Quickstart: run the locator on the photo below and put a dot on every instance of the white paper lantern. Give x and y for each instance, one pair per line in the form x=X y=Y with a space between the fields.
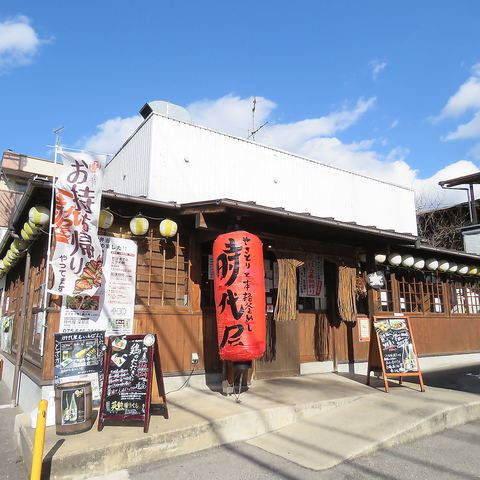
x=432 y=264
x=8 y=261
x=39 y=215
x=452 y=267
x=168 y=228
x=443 y=265
x=419 y=263
x=408 y=261
x=3 y=267
x=380 y=257
x=395 y=259
x=29 y=232
x=462 y=269
x=19 y=245
x=139 y=225
x=362 y=257
x=472 y=270
x=12 y=256
x=105 y=219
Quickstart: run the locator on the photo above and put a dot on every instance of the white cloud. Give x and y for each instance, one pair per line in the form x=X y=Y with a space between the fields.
x=432 y=195
x=293 y=136
x=467 y=97
x=113 y=133
x=313 y=138
x=19 y=43
x=467 y=130
x=231 y=114
x=377 y=67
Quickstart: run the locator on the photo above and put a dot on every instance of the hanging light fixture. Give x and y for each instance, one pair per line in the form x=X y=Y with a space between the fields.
x=453 y=267
x=8 y=261
x=139 y=225
x=19 y=245
x=443 y=265
x=462 y=269
x=431 y=264
x=29 y=231
x=105 y=219
x=39 y=216
x=168 y=228
x=472 y=270
x=394 y=259
x=408 y=260
x=380 y=258
x=12 y=256
x=419 y=263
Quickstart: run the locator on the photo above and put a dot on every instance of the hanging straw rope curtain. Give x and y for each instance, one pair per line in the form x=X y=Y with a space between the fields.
x=347 y=283
x=286 y=306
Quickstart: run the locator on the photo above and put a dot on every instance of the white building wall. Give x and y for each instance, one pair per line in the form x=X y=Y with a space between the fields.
x=129 y=170
x=190 y=163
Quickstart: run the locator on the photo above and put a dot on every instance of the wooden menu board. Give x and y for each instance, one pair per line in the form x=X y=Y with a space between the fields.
x=392 y=350
x=127 y=381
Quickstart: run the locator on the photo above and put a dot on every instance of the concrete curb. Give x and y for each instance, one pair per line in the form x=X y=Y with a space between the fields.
x=451 y=417
x=117 y=455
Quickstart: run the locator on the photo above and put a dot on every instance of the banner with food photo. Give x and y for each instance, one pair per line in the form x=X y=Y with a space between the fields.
x=112 y=307
x=77 y=258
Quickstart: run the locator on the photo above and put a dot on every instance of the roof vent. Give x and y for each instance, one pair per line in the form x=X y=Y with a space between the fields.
x=166 y=108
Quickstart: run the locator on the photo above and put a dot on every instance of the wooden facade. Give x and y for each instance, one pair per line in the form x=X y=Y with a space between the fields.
x=174 y=294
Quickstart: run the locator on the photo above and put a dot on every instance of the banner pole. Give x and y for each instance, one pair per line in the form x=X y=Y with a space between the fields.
x=49 y=248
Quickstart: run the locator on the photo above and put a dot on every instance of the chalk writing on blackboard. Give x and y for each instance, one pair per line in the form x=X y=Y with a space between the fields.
x=128 y=376
x=397 y=346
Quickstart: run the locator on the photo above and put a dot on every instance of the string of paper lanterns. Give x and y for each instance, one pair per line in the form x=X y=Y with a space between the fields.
x=139 y=224
x=38 y=218
x=432 y=264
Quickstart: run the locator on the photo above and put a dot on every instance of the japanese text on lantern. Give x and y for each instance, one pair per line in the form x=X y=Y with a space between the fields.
x=235 y=260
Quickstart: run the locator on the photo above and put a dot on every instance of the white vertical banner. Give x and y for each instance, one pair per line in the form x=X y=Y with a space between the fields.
x=77 y=259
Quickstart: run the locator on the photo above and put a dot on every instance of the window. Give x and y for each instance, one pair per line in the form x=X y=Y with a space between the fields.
x=433 y=298
x=386 y=295
x=410 y=291
x=464 y=297
x=163 y=270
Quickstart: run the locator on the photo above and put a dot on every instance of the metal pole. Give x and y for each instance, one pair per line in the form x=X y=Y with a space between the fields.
x=473 y=209
x=37 y=455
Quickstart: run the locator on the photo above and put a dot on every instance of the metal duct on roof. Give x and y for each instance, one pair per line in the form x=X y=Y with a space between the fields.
x=166 y=108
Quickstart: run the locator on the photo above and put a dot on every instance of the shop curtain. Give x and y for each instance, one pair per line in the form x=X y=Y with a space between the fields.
x=347 y=285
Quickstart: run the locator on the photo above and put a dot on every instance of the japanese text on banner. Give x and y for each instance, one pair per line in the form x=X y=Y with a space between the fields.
x=77 y=259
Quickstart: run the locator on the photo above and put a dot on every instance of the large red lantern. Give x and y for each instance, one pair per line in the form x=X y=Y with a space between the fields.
x=239 y=283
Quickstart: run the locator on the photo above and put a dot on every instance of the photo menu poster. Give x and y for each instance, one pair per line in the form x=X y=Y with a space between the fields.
x=112 y=307
x=78 y=356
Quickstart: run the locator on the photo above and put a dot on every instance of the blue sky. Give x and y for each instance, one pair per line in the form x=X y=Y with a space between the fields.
x=390 y=89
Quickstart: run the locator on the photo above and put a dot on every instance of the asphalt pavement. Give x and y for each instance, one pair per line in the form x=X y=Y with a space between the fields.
x=11 y=462
x=316 y=421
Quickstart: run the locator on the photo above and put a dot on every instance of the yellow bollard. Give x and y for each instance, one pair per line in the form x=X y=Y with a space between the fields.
x=37 y=456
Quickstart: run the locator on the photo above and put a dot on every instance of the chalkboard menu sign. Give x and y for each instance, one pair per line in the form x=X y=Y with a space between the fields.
x=392 y=350
x=128 y=378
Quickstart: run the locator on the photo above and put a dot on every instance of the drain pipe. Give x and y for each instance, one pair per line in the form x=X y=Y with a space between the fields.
x=21 y=336
x=471 y=200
